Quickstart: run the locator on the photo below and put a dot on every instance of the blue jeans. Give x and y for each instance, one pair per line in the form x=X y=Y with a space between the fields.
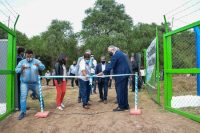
x=24 y=92
x=84 y=91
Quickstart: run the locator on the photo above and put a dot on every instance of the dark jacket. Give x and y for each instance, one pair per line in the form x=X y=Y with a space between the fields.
x=135 y=66
x=59 y=72
x=59 y=69
x=119 y=64
x=99 y=69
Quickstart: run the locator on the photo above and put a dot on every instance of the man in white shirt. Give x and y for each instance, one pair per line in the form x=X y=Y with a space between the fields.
x=72 y=72
x=47 y=79
x=84 y=70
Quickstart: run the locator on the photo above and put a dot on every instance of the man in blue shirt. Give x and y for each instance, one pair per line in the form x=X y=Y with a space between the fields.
x=29 y=72
x=120 y=65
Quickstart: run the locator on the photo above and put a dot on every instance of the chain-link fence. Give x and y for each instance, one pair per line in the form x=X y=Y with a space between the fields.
x=184 y=93
x=180 y=61
x=184 y=50
x=3 y=66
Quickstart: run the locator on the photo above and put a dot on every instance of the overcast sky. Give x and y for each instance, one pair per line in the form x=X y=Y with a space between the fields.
x=36 y=15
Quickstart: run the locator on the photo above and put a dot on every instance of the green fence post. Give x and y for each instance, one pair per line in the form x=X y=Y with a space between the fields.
x=167 y=66
x=157 y=67
x=9 y=85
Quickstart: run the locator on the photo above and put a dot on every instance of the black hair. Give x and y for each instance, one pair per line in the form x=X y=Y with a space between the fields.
x=20 y=49
x=86 y=55
x=61 y=58
x=29 y=51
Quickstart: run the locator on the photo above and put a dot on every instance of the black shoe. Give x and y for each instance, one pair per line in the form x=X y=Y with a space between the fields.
x=21 y=116
x=79 y=100
x=118 y=109
x=86 y=107
x=127 y=108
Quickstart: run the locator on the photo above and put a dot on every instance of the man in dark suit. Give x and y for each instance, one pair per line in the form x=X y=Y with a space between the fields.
x=120 y=65
x=102 y=82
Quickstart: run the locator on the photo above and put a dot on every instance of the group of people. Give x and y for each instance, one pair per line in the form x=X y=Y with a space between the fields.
x=88 y=72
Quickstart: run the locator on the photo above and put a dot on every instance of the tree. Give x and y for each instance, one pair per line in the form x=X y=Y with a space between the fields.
x=59 y=38
x=22 y=39
x=106 y=23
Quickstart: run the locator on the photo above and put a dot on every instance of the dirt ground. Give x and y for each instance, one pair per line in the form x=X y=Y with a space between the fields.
x=99 y=118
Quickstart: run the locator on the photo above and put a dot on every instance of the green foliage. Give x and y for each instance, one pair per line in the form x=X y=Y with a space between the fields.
x=3 y=34
x=22 y=39
x=106 y=24
x=59 y=38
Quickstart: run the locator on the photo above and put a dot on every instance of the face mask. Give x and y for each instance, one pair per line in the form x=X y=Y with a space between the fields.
x=103 y=62
x=74 y=64
x=87 y=61
x=110 y=53
x=29 y=59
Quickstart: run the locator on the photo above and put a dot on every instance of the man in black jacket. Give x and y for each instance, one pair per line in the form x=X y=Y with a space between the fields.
x=102 y=82
x=135 y=68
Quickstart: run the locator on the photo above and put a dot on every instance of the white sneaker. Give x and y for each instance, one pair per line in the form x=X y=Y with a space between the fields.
x=60 y=108
x=62 y=105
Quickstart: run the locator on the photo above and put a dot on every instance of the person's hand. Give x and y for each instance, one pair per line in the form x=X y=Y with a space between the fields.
x=36 y=65
x=24 y=67
x=92 y=70
x=87 y=76
x=94 y=76
x=100 y=74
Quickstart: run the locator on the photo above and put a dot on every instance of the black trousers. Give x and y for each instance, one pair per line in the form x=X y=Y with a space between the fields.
x=103 y=88
x=72 y=80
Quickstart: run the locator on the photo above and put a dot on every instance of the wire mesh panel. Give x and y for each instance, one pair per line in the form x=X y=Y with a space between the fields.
x=3 y=66
x=2 y=94
x=184 y=95
x=184 y=50
x=3 y=54
x=151 y=73
x=152 y=85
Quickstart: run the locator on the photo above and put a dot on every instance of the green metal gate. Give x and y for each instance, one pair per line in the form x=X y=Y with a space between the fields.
x=7 y=70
